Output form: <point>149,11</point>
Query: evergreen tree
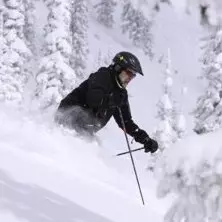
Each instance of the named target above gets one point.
<point>55,77</point>
<point>107,59</point>
<point>138,28</point>
<point>172,123</point>
<point>210,12</point>
<point>16,55</point>
<point>3,48</point>
<point>29,29</point>
<point>98,61</point>
<point>79,29</point>
<point>103,60</point>
<point>208,112</point>
<point>165,133</point>
<point>105,11</point>
<point>128,14</point>
<point>179,123</point>
<point>158,2</point>
<point>2,9</point>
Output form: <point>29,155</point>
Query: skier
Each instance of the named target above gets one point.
<point>90,106</point>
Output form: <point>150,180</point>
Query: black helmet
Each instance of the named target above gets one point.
<point>126,60</point>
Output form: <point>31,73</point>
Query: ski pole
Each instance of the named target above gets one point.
<point>131,156</point>
<point>119,154</point>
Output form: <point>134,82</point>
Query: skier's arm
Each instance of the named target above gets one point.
<point>133,130</point>
<point>131,127</point>
<point>68,101</point>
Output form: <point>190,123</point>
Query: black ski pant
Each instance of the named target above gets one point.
<point>77,118</point>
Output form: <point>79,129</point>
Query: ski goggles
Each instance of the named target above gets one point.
<point>131,73</point>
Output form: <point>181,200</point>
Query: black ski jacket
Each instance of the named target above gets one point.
<point>101,96</point>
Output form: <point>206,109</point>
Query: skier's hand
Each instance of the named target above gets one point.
<point>140,136</point>
<point>150,145</point>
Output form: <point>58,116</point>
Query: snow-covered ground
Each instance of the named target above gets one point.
<point>48,175</point>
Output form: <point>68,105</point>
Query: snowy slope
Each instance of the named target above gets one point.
<point>46,175</point>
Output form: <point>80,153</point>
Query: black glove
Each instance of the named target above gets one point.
<point>140,136</point>
<point>151,145</point>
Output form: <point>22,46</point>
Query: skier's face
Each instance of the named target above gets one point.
<point>126,76</point>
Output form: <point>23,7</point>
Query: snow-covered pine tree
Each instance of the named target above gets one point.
<point>105,10</point>
<point>29,29</point>
<point>128,14</point>
<point>179,120</point>
<point>98,61</point>
<point>3,49</point>
<point>14,75</point>
<point>208,112</point>
<point>158,2</point>
<point>79,27</point>
<point>103,60</point>
<point>164,133</point>
<point>55,77</point>
<point>210,12</point>
<point>179,123</point>
<point>107,59</point>
<point>2,9</point>
<point>192,173</point>
<point>138,27</point>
